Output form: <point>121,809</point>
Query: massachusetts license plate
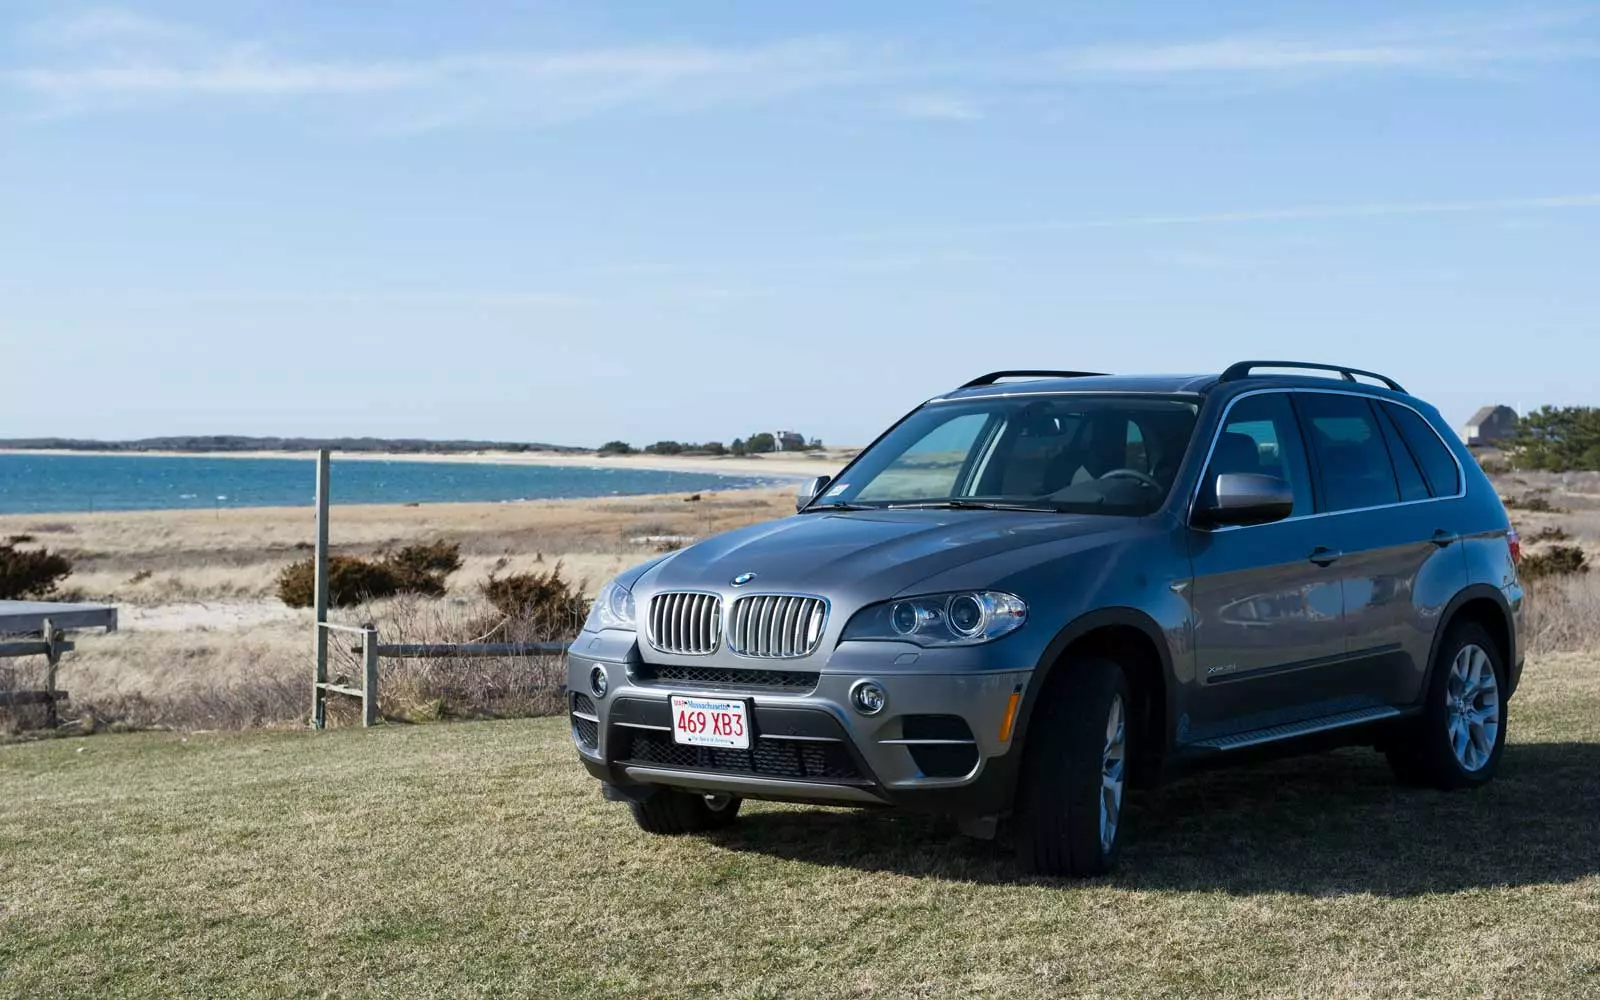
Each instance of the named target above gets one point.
<point>711,722</point>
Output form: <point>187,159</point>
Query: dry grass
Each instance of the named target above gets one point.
<point>152,557</point>
<point>479,860</point>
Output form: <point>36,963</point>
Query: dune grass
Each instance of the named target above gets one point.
<point>479,860</point>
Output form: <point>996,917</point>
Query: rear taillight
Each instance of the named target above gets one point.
<point>1515,541</point>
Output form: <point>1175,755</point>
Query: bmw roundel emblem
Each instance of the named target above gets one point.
<point>743,578</point>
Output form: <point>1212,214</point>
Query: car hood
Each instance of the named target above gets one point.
<point>876,555</point>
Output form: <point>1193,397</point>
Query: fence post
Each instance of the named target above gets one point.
<point>319,695</point>
<point>369,682</point>
<point>52,657</point>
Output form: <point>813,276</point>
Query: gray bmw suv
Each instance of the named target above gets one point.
<point>1045,587</point>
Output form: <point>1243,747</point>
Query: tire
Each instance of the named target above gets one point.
<point>1075,764</point>
<point>672,813</point>
<point>1457,740</point>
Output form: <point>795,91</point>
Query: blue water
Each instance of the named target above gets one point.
<point>36,484</point>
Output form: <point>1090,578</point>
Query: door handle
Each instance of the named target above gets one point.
<point>1324,556</point>
<point>1445,539</point>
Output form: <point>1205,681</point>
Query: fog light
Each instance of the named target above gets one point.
<point>597,680</point>
<point>868,697</point>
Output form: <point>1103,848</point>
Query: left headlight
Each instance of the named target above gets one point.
<point>613,609</point>
<point>961,619</point>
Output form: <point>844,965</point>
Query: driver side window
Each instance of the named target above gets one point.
<point>1262,436</point>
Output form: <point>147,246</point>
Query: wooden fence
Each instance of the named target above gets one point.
<point>370,649</point>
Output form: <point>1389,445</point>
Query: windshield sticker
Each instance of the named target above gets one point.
<point>838,489</point>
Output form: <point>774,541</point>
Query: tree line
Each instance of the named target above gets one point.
<point>1557,439</point>
<point>755,444</point>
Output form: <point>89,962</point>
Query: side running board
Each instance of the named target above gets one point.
<point>1239,741</point>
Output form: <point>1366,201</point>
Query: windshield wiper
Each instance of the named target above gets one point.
<point>956,504</point>
<point>837,505</point>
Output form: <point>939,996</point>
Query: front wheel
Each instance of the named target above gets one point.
<point>673,813</point>
<point>1457,740</point>
<point>1074,770</point>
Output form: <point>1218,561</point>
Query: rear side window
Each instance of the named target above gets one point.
<point>1444,476</point>
<point>1406,473</point>
<point>1350,450</point>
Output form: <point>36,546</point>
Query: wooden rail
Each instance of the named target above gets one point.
<point>370,649</point>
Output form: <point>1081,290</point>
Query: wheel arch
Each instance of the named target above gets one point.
<point>1487,606</point>
<point>1133,640</point>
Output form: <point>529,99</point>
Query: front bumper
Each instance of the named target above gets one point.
<point>810,746</point>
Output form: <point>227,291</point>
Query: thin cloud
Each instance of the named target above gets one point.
<point>934,108</point>
<point>116,60</point>
<point>1306,213</point>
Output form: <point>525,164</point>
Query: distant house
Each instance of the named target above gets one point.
<point>1490,426</point>
<point>789,441</point>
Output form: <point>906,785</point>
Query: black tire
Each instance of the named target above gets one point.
<point>1058,818</point>
<point>672,813</point>
<point>1423,753</point>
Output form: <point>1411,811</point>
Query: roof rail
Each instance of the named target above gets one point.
<point>993,377</point>
<point>1244,368</point>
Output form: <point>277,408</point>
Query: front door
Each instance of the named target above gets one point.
<point>1267,598</point>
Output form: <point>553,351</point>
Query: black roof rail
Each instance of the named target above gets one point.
<point>1244,368</point>
<point>993,377</point>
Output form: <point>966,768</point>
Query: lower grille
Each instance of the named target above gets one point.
<point>788,681</point>
<point>810,761</point>
<point>585,730</point>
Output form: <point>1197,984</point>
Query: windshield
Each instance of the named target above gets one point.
<point>1083,453</point>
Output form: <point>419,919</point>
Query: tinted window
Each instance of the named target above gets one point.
<point>1261,436</point>
<point>1406,473</point>
<point>1444,477</point>
<point>929,467</point>
<point>1351,455</point>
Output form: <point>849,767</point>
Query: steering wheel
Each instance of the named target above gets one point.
<point>1147,480</point>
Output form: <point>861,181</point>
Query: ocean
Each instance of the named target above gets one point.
<point>39,484</point>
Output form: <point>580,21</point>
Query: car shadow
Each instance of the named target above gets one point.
<point>1326,825</point>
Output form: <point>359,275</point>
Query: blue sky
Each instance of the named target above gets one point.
<point>571,222</point>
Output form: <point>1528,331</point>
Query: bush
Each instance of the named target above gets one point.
<point>415,569</point>
<point>30,574</point>
<point>616,448</point>
<point>1534,504</point>
<point>1558,560</point>
<point>544,603</point>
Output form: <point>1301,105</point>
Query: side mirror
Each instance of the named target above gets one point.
<point>810,490</point>
<point>1244,498</point>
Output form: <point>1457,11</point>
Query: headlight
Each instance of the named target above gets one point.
<point>612,609</point>
<point>963,619</point>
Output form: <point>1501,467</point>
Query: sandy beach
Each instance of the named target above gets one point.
<point>785,465</point>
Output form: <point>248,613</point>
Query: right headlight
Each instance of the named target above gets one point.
<point>966,618</point>
<point>612,609</point>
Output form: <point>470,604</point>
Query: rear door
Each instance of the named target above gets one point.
<point>1399,565</point>
<point>1269,614</point>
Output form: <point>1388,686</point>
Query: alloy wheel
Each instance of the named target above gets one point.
<point>1472,699</point>
<point>1112,764</point>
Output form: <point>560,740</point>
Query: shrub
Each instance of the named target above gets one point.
<point>1558,560</point>
<point>545,603</point>
<point>616,448</point>
<point>350,581</point>
<point>1534,504</point>
<point>664,448</point>
<point>1548,533</point>
<point>422,568</point>
<point>30,574</point>
<point>415,569</point>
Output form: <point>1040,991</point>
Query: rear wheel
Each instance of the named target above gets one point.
<point>1457,740</point>
<point>673,813</point>
<point>1074,771</point>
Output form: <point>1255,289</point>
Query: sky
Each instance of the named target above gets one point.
<point>572,222</point>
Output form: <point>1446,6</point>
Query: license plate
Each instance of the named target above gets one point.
<point>711,722</point>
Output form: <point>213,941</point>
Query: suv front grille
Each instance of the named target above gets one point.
<point>785,681</point>
<point>776,626</point>
<point>686,623</point>
<point>807,761</point>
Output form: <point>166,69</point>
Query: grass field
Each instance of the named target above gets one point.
<point>478,860</point>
